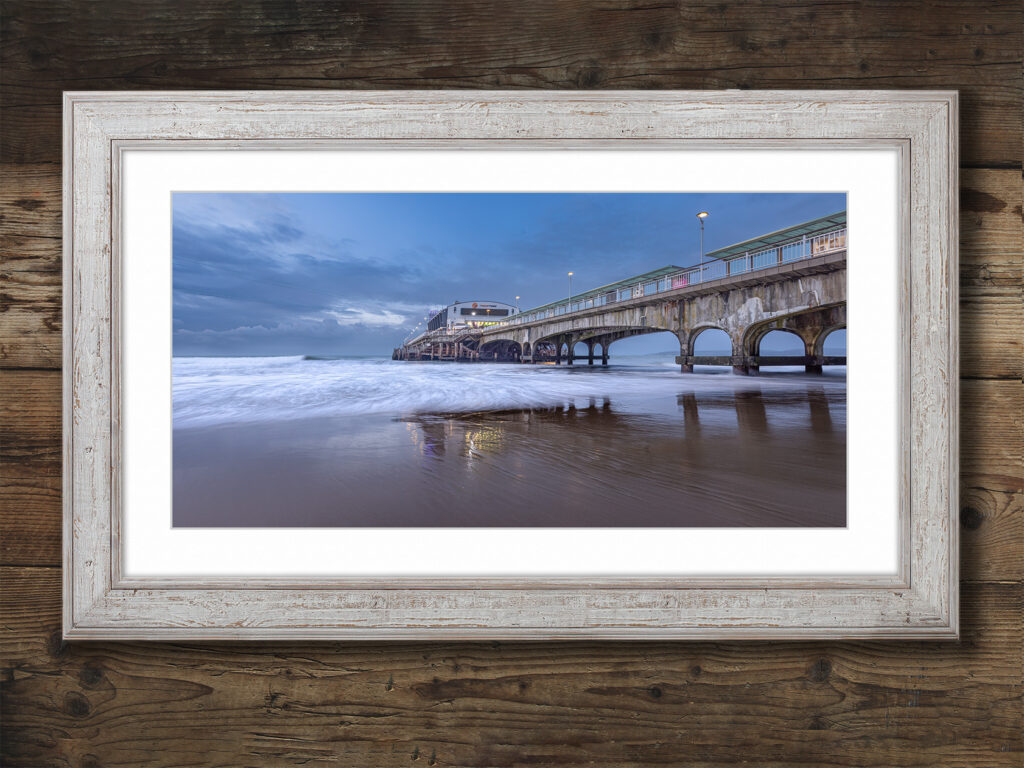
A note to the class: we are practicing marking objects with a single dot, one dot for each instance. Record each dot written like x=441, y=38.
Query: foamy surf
x=211, y=391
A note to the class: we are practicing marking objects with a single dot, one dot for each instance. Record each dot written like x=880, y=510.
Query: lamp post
x=570, y=292
x=700, y=217
x=517, y=305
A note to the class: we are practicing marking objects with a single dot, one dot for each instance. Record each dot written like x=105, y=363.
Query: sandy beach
x=624, y=446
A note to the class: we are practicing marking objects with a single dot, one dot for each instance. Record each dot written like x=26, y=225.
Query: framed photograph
x=465, y=364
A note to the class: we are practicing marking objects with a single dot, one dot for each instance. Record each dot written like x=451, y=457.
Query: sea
x=307, y=441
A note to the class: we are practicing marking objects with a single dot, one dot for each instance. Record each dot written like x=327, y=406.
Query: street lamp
x=569, y=308
x=517, y=304
x=700, y=217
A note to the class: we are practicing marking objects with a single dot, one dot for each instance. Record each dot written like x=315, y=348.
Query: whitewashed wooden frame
x=921, y=601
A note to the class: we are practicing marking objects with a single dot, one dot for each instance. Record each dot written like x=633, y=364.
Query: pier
x=792, y=280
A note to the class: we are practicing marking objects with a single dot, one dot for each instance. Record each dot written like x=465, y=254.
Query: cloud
x=299, y=337
x=265, y=271
x=378, y=315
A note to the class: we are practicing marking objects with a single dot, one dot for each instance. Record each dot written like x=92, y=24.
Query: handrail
x=797, y=249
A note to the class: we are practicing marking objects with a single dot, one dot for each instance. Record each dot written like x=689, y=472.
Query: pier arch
x=500, y=351
x=810, y=326
x=782, y=342
x=644, y=341
x=831, y=341
x=781, y=348
x=710, y=340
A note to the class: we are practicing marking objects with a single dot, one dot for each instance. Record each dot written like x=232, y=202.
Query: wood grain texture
x=991, y=274
x=283, y=44
x=788, y=704
x=785, y=704
x=30, y=218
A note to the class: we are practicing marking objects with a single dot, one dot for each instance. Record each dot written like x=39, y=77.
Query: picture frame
x=104, y=600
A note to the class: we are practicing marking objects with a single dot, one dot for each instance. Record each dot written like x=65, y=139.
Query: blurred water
x=209, y=391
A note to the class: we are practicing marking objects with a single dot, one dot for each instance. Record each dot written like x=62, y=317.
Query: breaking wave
x=210, y=391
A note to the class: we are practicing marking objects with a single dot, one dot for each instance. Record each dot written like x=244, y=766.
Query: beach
x=294, y=441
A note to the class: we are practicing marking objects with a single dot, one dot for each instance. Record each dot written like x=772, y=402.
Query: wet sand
x=739, y=456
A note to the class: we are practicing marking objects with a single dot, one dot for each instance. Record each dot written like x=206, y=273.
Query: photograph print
x=572, y=360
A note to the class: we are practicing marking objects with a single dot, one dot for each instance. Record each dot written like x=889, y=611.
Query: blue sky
x=351, y=273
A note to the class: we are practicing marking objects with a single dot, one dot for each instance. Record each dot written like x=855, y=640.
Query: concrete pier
x=756, y=293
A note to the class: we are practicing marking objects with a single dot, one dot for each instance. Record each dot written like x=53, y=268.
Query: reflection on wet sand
x=753, y=456
x=485, y=432
x=727, y=459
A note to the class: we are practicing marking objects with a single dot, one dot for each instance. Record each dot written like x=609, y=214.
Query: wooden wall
x=497, y=704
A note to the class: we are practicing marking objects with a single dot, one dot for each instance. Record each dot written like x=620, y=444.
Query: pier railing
x=804, y=247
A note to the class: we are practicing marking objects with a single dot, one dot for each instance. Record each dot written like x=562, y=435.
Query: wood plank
x=31, y=315
x=462, y=704
x=30, y=520
x=30, y=217
x=991, y=534
x=30, y=418
x=283, y=44
x=991, y=430
x=990, y=227
x=992, y=272
x=991, y=343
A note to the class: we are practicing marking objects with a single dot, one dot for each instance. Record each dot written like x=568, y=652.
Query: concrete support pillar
x=744, y=366
x=684, y=352
x=569, y=355
x=590, y=353
x=816, y=362
x=742, y=363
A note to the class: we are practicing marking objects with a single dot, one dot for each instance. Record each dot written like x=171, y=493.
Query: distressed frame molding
x=921, y=602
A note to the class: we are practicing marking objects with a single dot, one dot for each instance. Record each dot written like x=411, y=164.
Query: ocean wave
x=209, y=391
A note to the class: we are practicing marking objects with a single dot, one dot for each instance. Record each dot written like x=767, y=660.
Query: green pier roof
x=820, y=224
